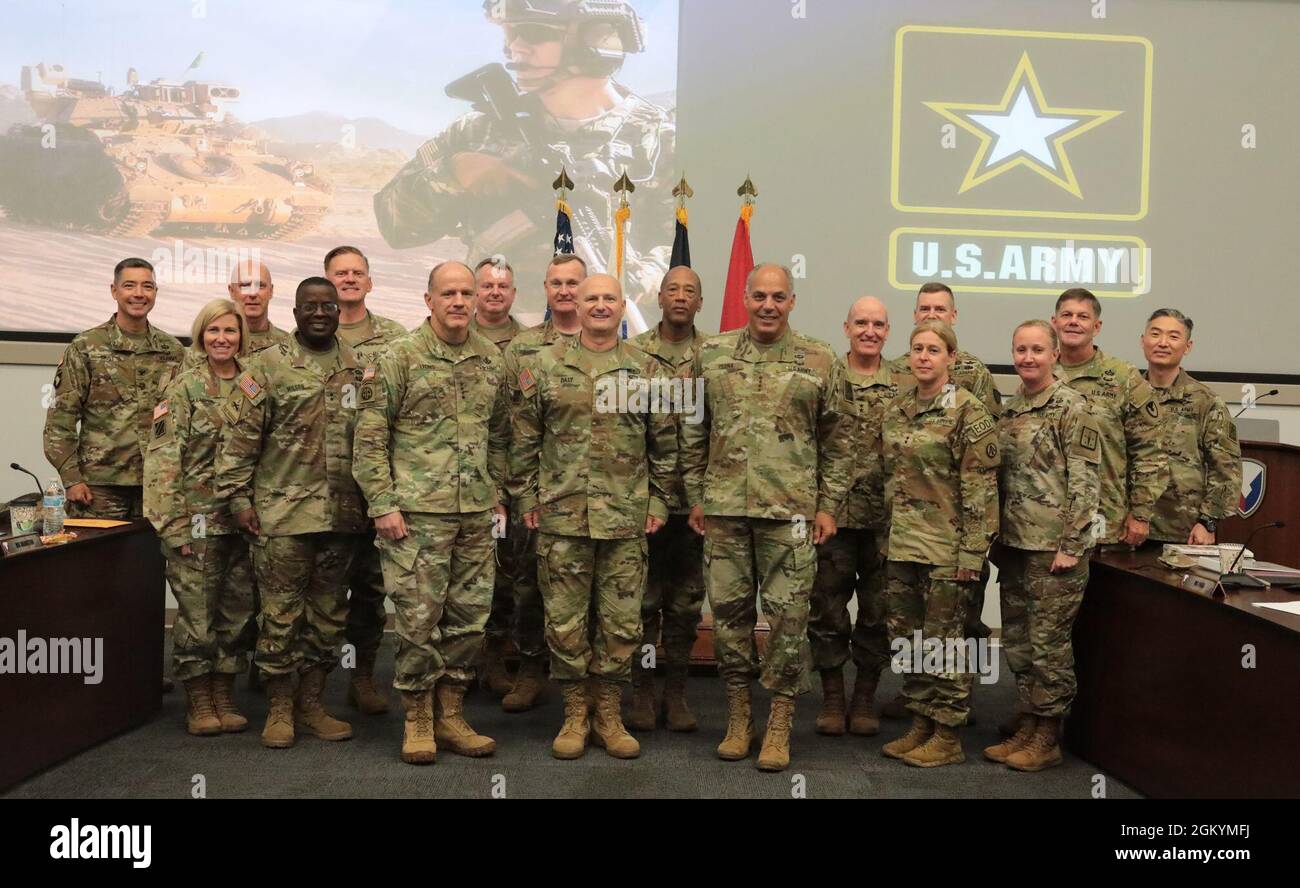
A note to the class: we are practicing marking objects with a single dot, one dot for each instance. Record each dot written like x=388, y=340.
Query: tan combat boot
x=609, y=731
x=830, y=721
x=528, y=685
x=1043, y=749
x=571, y=742
x=278, y=732
x=740, y=725
x=200, y=715
x=864, y=720
x=641, y=714
x=496, y=677
x=418, y=744
x=449, y=725
x=775, y=754
x=896, y=708
x=223, y=701
x=309, y=716
x=943, y=748
x=362, y=692
x=917, y=734
x=677, y=715
x=1026, y=725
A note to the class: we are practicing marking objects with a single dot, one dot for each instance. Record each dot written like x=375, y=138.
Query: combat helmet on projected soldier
x=486, y=177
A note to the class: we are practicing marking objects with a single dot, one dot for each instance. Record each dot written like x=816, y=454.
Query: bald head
x=867, y=328
x=600, y=305
x=251, y=289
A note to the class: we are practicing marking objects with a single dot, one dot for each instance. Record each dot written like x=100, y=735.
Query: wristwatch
x=1210, y=524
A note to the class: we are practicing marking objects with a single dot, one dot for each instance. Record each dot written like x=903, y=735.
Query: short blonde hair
x=209, y=313
x=938, y=328
x=1039, y=325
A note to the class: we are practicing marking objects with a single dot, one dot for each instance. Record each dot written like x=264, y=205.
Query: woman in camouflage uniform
x=941, y=458
x=207, y=558
x=1051, y=447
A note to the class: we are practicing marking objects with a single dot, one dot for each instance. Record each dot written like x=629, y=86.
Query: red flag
x=734, y=315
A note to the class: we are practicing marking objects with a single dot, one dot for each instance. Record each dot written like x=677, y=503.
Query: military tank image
x=163, y=156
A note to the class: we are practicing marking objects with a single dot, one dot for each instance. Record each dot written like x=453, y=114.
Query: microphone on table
x=18, y=468
x=1244, y=579
x=1268, y=394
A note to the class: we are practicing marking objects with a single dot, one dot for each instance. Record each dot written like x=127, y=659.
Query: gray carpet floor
x=159, y=760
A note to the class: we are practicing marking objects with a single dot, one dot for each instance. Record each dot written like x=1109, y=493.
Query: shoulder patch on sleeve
x=979, y=428
x=369, y=373
x=248, y=385
x=1151, y=409
x=1087, y=443
x=163, y=408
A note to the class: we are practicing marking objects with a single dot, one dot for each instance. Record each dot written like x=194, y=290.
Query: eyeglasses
x=532, y=32
x=311, y=308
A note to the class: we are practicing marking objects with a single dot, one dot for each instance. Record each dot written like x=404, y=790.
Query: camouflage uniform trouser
x=674, y=592
x=116, y=501
x=439, y=577
x=849, y=563
x=302, y=580
x=366, y=616
x=579, y=575
x=743, y=559
x=214, y=598
x=529, y=626
x=1038, y=611
x=918, y=600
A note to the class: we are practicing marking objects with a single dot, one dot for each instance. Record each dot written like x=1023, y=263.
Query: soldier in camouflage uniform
x=108, y=381
x=207, y=559
x=368, y=335
x=430, y=457
x=1134, y=469
x=286, y=471
x=940, y=450
x=1051, y=448
x=765, y=472
x=563, y=276
x=675, y=587
x=592, y=469
x=1201, y=439
x=851, y=562
x=935, y=301
x=486, y=178
x=492, y=319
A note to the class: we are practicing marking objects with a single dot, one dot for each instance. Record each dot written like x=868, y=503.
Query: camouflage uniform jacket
x=501, y=336
x=522, y=352
x=594, y=468
x=1134, y=469
x=382, y=332
x=424, y=200
x=110, y=384
x=289, y=454
x=941, y=484
x=652, y=343
x=433, y=427
x=867, y=396
x=773, y=443
x=1204, y=459
x=180, y=462
x=968, y=372
x=1051, y=448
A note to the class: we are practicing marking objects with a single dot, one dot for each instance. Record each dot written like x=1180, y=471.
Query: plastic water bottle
x=53, y=502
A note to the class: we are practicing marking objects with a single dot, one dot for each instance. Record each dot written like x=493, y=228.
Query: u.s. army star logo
x=1022, y=130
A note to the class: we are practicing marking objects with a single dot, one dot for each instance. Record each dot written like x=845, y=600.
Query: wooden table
x=1165, y=702
x=106, y=584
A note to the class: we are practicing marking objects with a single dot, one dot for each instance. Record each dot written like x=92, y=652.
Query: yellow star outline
x=1088, y=118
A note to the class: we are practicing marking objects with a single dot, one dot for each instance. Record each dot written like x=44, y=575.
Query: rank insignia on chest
x=249, y=387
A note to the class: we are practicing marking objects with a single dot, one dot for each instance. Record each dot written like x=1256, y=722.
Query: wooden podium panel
x=1281, y=503
x=107, y=584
